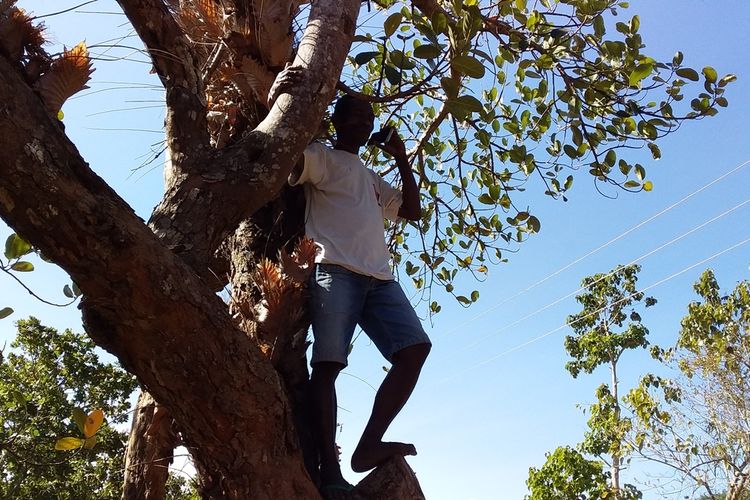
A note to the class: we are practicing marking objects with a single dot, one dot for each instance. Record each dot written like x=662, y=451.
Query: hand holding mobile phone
x=382, y=136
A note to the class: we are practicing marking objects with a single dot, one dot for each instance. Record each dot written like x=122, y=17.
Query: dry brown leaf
x=5, y=6
x=67, y=75
x=299, y=264
x=212, y=15
x=255, y=75
x=18, y=33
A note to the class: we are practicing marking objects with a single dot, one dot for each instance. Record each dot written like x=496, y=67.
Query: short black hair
x=343, y=105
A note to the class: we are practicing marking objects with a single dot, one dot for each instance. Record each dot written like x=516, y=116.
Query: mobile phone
x=382, y=136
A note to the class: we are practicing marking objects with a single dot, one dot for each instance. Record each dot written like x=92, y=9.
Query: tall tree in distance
x=495, y=96
x=608, y=326
x=697, y=423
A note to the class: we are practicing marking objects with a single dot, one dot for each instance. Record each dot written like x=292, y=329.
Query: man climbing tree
x=353, y=284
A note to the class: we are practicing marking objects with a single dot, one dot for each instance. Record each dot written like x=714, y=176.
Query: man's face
x=355, y=123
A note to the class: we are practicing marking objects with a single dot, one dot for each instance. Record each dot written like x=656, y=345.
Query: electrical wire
x=461, y=326
x=634, y=261
x=561, y=327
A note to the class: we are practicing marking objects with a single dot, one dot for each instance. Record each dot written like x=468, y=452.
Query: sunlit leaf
x=68, y=443
x=22, y=266
x=93, y=422
x=16, y=247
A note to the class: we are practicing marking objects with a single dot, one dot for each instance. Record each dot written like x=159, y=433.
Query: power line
x=634, y=261
x=555, y=330
x=597, y=249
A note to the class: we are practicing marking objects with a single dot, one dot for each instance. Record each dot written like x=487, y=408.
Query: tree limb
x=175, y=63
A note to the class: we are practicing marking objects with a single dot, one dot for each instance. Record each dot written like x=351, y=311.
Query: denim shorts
x=340, y=299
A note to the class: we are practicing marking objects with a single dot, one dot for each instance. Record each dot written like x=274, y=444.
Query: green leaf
x=79, y=417
x=688, y=74
x=450, y=86
x=727, y=79
x=400, y=60
x=534, y=224
x=393, y=75
x=427, y=51
x=469, y=66
x=474, y=295
x=90, y=442
x=68, y=443
x=5, y=312
x=16, y=247
x=392, y=23
x=710, y=74
x=439, y=22
x=639, y=73
x=655, y=151
x=463, y=106
x=22, y=266
x=364, y=57
x=463, y=300
x=68, y=292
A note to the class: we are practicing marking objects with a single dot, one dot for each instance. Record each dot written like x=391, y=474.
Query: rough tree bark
x=147, y=463
x=145, y=303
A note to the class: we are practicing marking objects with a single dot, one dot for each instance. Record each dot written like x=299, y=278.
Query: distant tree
x=44, y=377
x=568, y=475
x=607, y=326
x=698, y=423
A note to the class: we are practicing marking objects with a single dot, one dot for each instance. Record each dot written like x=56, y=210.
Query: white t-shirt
x=346, y=205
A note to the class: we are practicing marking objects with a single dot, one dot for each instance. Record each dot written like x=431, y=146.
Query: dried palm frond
x=200, y=19
x=299, y=264
x=256, y=76
x=18, y=33
x=5, y=6
x=67, y=75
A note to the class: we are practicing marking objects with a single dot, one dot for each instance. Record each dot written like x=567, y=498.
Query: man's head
x=353, y=120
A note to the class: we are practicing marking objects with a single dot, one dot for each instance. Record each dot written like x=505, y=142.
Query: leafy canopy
x=499, y=96
x=44, y=378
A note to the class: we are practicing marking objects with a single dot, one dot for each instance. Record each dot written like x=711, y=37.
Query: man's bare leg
x=323, y=389
x=391, y=397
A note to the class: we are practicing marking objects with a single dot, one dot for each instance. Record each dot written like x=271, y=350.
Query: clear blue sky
x=481, y=415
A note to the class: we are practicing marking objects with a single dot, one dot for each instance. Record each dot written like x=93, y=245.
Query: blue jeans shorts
x=340, y=299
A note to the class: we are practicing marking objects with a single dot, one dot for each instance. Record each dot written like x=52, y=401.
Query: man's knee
x=325, y=371
x=414, y=355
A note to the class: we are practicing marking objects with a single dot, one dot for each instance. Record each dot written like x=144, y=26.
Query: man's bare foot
x=369, y=456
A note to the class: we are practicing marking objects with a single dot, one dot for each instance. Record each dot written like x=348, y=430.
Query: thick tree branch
x=203, y=209
x=143, y=304
x=175, y=63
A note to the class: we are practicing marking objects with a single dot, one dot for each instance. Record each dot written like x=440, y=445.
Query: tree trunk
x=616, y=456
x=393, y=480
x=150, y=451
x=143, y=304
